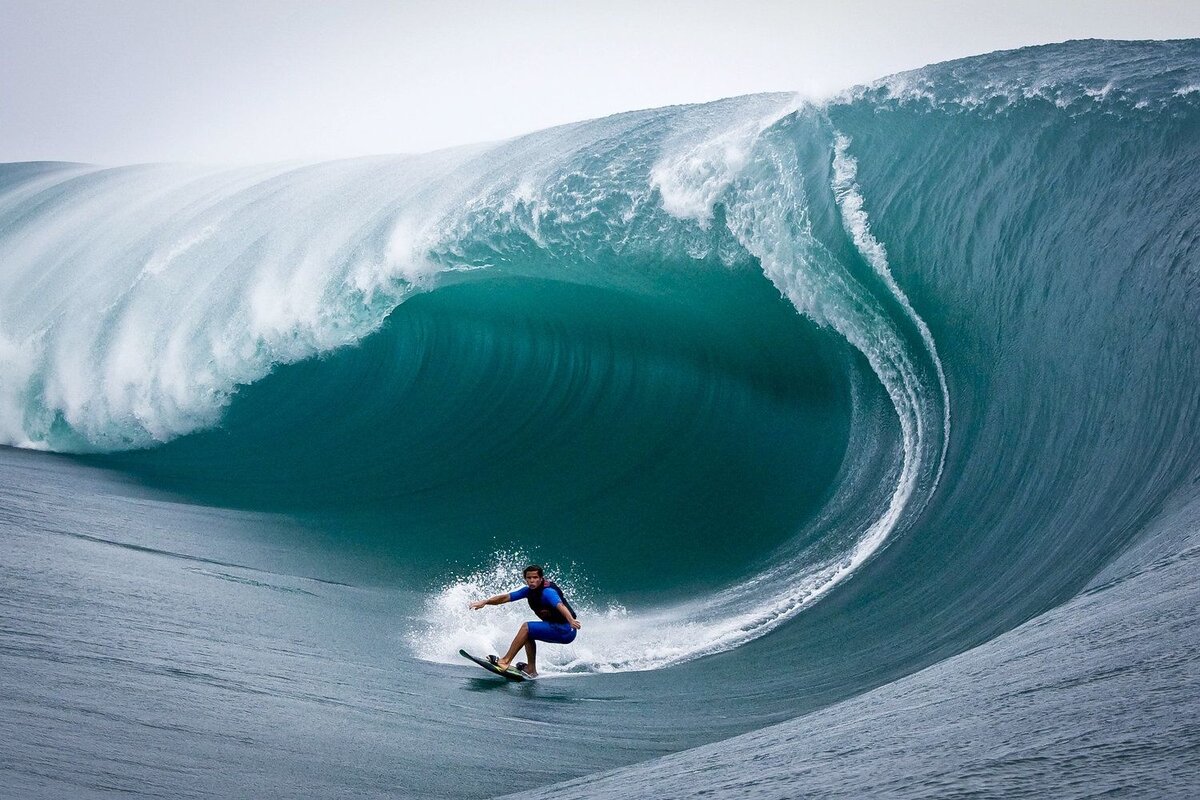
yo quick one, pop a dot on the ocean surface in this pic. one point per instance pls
(862, 433)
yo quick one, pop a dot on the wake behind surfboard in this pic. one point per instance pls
(512, 673)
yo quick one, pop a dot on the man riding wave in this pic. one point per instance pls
(556, 623)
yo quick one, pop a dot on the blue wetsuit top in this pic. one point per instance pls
(543, 631)
(548, 594)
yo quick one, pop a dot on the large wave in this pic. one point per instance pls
(423, 326)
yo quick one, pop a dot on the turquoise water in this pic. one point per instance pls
(816, 395)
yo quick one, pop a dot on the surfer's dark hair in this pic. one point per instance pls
(534, 568)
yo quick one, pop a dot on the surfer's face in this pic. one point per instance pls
(533, 580)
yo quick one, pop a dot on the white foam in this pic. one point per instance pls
(450, 624)
(17, 363)
(139, 301)
(856, 224)
(692, 173)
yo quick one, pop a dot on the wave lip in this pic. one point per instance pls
(1075, 76)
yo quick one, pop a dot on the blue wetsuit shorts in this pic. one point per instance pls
(554, 632)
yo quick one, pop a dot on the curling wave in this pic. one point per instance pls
(447, 338)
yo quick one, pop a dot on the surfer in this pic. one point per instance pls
(556, 624)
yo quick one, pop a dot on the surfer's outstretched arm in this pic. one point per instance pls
(498, 600)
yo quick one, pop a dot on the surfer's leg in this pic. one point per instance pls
(517, 643)
(531, 655)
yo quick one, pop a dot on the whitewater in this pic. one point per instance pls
(847, 423)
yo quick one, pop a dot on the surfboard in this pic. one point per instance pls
(512, 673)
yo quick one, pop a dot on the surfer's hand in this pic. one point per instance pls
(478, 604)
(576, 624)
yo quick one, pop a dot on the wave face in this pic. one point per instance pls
(936, 334)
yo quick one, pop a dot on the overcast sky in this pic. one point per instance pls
(252, 80)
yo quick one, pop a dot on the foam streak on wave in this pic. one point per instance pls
(854, 219)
